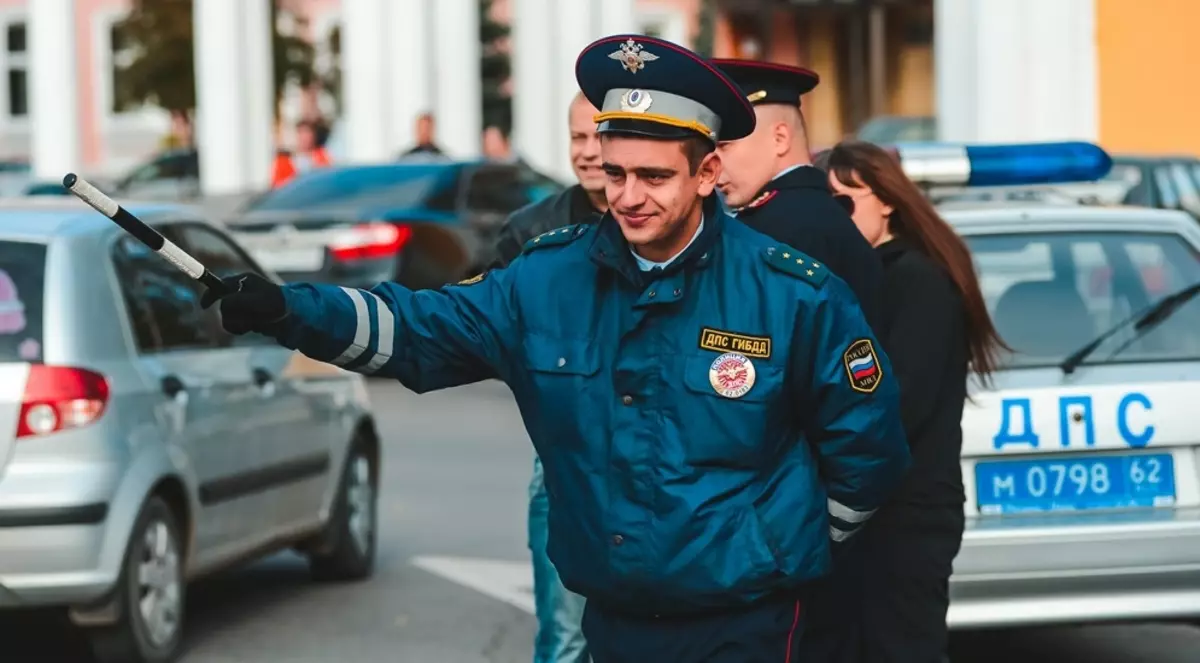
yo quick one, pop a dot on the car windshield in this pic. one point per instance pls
(22, 286)
(392, 186)
(1051, 293)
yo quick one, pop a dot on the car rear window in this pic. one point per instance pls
(22, 286)
(389, 186)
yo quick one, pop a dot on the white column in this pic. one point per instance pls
(259, 142)
(954, 68)
(234, 104)
(1016, 70)
(534, 63)
(410, 70)
(53, 89)
(574, 30)
(365, 79)
(457, 85)
(616, 17)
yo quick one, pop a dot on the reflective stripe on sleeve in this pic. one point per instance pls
(843, 512)
(362, 329)
(386, 335)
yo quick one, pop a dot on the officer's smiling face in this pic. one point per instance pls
(654, 190)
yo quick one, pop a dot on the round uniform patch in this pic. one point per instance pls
(731, 375)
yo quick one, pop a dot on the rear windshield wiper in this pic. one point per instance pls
(1143, 321)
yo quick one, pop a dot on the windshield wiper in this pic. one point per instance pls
(1143, 322)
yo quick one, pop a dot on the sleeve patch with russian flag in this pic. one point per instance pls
(862, 366)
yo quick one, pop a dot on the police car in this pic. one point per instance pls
(1080, 461)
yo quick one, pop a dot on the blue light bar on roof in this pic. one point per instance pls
(1003, 165)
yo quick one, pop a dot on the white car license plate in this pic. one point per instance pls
(291, 260)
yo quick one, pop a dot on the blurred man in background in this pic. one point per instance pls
(559, 636)
(770, 183)
(426, 129)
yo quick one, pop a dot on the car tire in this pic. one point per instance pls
(347, 550)
(150, 593)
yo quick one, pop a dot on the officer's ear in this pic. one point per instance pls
(782, 136)
(708, 173)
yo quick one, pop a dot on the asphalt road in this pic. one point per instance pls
(457, 464)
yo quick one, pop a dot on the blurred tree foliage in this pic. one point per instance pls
(495, 68)
(160, 67)
(705, 33)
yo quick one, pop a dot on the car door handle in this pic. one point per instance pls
(175, 389)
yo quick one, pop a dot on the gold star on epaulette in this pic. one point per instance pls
(556, 237)
(795, 263)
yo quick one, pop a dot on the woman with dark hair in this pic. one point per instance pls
(937, 330)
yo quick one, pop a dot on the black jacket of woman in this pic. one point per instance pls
(925, 338)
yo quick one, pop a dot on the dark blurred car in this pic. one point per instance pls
(169, 175)
(44, 188)
(422, 225)
(898, 129)
(1168, 182)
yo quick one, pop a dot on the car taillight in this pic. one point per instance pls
(370, 240)
(59, 397)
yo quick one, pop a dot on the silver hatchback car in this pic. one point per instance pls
(141, 446)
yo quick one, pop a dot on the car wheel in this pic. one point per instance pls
(349, 541)
(150, 593)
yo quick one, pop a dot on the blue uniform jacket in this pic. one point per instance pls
(667, 496)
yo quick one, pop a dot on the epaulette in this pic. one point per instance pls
(556, 237)
(790, 261)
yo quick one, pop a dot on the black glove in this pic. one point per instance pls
(256, 304)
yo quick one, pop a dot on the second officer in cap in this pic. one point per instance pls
(710, 406)
(769, 181)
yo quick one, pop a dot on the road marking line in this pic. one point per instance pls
(506, 581)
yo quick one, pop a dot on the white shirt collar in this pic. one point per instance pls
(789, 169)
(647, 265)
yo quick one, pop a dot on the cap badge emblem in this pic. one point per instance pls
(636, 101)
(632, 56)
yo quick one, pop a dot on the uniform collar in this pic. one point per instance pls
(799, 176)
(610, 250)
(646, 265)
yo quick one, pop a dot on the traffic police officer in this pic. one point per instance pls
(769, 180)
(710, 406)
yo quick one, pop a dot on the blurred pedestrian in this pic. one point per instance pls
(938, 330)
(559, 611)
(769, 181)
(308, 154)
(426, 130)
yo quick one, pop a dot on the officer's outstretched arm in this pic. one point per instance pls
(852, 408)
(427, 339)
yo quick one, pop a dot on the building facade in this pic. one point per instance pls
(993, 70)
